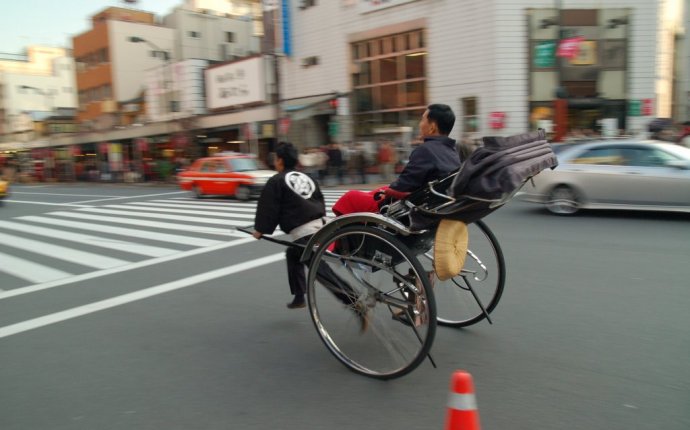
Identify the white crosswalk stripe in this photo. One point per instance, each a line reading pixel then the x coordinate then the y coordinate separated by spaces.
pixel 66 243
pixel 143 234
pixel 32 272
pixel 151 251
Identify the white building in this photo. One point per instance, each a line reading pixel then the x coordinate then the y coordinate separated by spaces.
pixel 213 30
pixel 393 58
pixel 35 89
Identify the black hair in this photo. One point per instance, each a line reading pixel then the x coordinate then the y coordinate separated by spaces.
pixel 287 152
pixel 443 116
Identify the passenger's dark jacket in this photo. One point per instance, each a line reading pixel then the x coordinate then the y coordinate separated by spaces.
pixel 289 199
pixel 436 158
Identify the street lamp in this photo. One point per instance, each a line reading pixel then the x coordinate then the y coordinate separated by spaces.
pixel 135 39
pixel 166 59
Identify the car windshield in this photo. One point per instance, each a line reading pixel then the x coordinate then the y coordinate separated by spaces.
pixel 243 164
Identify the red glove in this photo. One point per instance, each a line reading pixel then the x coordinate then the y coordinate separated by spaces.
pixel 398 195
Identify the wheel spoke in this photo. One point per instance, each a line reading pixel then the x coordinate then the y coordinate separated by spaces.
pixel 381 275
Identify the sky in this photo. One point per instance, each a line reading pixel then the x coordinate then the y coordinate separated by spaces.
pixel 55 22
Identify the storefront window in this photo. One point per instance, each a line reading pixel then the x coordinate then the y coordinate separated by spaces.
pixel 414 65
pixel 414 93
pixel 389 80
pixel 388 69
pixel 390 95
pixel 363 99
pixel 470 117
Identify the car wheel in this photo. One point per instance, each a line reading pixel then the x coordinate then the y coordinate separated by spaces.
pixel 563 200
pixel 197 191
pixel 242 193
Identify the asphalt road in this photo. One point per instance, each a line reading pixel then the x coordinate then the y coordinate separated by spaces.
pixel 190 331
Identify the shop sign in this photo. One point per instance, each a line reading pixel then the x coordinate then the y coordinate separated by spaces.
pixel 141 143
pixel 647 107
pixel 267 130
pixel 569 47
pixel 497 120
pixel 634 108
pixel 284 125
pixel 234 84
pixel 586 55
pixel 545 54
pixel 333 129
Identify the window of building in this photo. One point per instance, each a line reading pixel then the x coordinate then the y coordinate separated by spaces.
pixel 230 37
pixel 194 34
pixel 470 115
pixel 303 4
pixel 389 81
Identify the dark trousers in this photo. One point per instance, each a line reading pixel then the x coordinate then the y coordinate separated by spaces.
pixel 296 276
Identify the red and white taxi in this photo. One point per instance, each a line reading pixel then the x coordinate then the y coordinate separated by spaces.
pixel 226 174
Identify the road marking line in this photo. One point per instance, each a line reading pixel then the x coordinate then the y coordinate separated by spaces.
pixel 154 224
pixel 194 219
pixel 47 204
pixel 121 231
pixel 137 209
pixel 71 255
pixel 208 209
pixel 134 296
pixel 129 197
pixel 87 239
pixel 56 194
pixel 27 270
pixel 91 275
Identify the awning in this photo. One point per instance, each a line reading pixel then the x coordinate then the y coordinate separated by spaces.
pixel 305 107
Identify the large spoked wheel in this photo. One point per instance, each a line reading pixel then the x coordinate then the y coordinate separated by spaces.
pixel 371 302
pixel 471 296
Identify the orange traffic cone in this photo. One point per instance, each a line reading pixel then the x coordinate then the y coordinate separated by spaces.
pixel 462 406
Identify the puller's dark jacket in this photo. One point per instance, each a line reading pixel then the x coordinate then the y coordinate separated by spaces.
pixel 436 158
pixel 288 200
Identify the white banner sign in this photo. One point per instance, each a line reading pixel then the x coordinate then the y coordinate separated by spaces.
pixel 365 6
pixel 234 84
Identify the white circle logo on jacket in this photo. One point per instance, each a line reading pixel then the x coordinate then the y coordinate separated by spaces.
pixel 300 184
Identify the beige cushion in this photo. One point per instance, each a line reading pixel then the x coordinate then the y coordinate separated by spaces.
pixel 450 248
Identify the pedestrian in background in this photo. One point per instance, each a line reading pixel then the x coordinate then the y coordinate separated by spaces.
pixel 335 163
pixel 387 160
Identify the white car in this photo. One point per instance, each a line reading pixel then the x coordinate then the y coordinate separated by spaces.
pixel 615 174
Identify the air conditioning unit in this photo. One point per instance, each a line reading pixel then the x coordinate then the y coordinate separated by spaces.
pixel 310 61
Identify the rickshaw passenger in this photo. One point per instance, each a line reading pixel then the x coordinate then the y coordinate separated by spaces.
pixel 435 158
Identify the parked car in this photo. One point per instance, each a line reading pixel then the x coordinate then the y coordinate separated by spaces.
pixel 225 174
pixel 631 174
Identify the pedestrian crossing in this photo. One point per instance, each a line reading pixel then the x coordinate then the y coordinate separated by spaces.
pixel 61 244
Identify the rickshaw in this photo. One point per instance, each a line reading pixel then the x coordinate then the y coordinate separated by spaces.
pixel 373 293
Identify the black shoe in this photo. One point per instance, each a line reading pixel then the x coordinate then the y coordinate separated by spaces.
pixel 297 303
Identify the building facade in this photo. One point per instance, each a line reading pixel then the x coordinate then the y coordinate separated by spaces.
pixel 112 59
pixel 495 62
pixel 35 88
